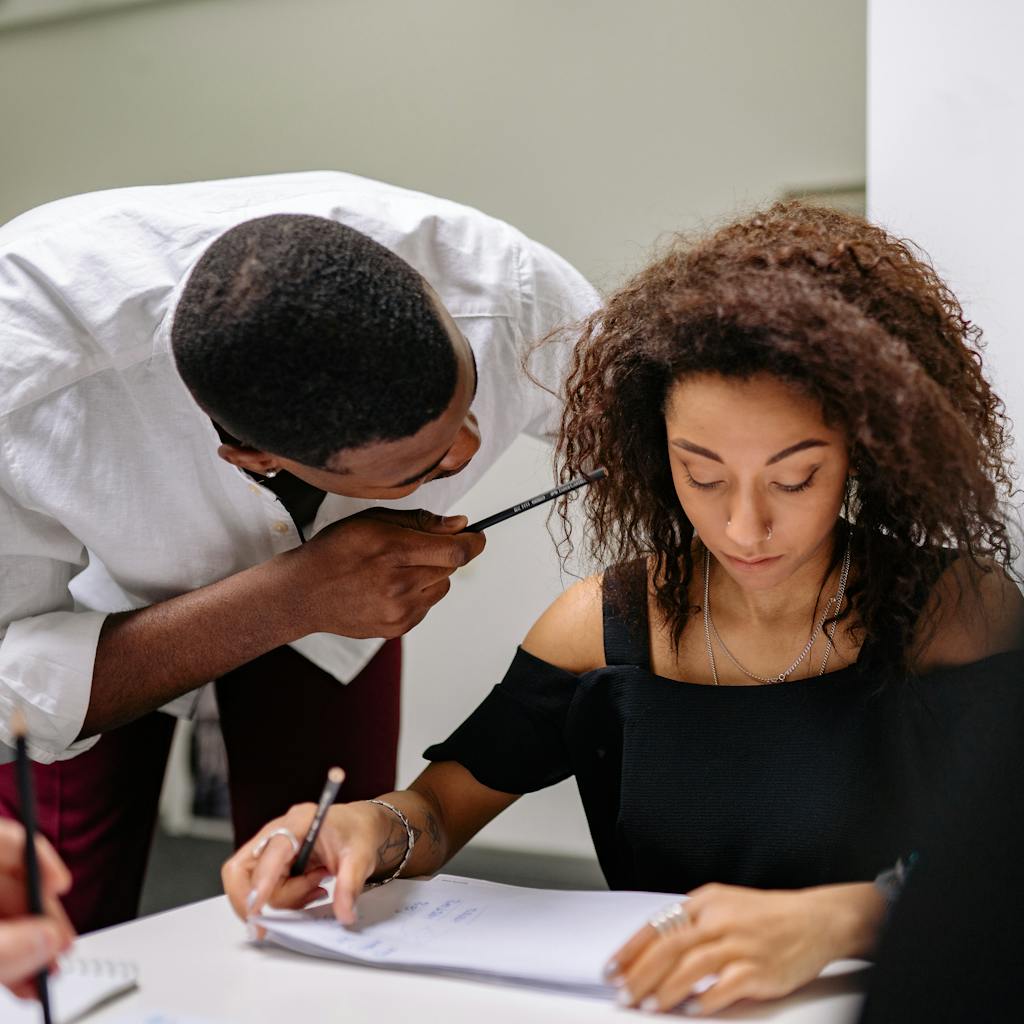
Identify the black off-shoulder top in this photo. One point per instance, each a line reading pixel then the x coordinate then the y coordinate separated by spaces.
pixel 808 782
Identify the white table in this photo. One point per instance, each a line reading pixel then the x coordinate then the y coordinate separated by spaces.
pixel 197 960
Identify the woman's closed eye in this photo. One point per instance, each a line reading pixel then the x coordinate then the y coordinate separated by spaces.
pixel 708 485
pixel 802 486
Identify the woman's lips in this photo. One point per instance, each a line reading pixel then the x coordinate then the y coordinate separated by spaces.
pixel 753 564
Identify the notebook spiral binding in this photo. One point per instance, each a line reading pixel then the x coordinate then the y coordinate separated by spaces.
pixel 94 967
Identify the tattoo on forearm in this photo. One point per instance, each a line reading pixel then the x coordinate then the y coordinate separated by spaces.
pixel 392 850
pixel 433 830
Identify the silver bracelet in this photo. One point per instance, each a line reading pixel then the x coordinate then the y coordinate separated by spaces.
pixel 410 838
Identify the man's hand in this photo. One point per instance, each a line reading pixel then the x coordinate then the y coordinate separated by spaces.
pixel 29 944
pixel 378 573
pixel 375 574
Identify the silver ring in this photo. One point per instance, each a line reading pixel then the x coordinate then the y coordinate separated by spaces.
pixel 670 919
pixel 286 832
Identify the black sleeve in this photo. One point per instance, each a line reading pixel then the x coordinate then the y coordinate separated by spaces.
pixel 514 741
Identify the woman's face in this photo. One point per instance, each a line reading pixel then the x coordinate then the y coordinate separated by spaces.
pixel 758 472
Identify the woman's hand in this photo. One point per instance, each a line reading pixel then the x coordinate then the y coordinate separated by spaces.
pixel 28 943
pixel 758 945
pixel 353 840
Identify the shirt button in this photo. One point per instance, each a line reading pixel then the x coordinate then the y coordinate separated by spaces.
pixel 280 527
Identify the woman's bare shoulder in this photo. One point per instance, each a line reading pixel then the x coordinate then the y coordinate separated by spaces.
pixel 974 611
pixel 570 633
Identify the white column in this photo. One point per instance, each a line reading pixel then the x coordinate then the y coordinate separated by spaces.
pixel 946 158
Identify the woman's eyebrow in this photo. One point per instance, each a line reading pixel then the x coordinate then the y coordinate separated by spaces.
pixel 811 442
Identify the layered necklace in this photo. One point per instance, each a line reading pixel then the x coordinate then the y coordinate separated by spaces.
pixel 835 601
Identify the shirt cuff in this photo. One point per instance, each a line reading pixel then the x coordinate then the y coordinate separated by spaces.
pixel 340 656
pixel 46 665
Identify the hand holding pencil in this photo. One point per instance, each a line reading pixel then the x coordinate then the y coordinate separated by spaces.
pixel 30 941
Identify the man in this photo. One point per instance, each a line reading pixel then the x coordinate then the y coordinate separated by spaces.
pixel 200 386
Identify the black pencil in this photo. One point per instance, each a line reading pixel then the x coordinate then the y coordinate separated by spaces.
pixel 538 499
pixel 335 777
pixel 19 729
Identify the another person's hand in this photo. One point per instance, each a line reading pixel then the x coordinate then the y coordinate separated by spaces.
pixel 29 943
pixel 758 945
pixel 353 840
pixel 378 573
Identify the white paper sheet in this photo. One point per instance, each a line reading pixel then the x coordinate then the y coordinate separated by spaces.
pixel 451 925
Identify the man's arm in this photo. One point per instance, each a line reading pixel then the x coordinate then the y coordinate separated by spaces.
pixel 374 575
pixel 76 674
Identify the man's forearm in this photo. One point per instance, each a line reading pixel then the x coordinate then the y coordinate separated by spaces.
pixel 148 657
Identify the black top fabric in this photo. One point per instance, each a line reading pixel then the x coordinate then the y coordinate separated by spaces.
pixel 809 782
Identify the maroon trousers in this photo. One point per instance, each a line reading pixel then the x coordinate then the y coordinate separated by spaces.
pixel 285 722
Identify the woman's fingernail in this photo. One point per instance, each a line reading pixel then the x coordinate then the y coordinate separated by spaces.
pixel 650 1004
pixel 250 901
pixel 691 1008
pixel 611 968
pixel 624 998
pixel 252 932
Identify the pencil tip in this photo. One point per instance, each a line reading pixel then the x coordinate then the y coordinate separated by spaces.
pixel 336 775
pixel 19 727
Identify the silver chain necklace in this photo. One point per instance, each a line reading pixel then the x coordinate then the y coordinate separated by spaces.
pixel 709 628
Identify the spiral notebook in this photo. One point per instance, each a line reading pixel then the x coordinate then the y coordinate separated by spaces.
pixel 81 986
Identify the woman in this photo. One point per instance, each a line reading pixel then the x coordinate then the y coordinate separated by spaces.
pixel 803 514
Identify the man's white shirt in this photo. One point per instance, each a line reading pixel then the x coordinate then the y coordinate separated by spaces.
pixel 112 495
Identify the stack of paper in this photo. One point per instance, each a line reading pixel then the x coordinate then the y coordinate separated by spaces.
pixel 459 926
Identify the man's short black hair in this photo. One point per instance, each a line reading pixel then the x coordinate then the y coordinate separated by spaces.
pixel 304 337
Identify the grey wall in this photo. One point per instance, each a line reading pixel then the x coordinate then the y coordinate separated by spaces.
pixel 594 126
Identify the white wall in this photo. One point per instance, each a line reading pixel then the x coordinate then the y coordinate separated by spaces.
pixel 946 157
pixel 594 125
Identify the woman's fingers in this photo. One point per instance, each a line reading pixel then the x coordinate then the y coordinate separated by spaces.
pixel 685 955
pixel 621 959
pixel 55 911
pixel 346 848
pixel 297 892
pixel 27 945
pixel 56 877
pixel 270 872
pixel 353 872
pixel 735 981
pixel 257 867
pixel 698 970
pixel 625 955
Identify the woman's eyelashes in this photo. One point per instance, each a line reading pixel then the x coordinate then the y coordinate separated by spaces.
pixel 696 483
pixel 787 488
pixel 802 486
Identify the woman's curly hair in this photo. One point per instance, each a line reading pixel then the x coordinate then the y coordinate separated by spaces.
pixel 853 317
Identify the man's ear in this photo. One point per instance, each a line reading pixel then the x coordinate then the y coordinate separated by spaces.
pixel 252 459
